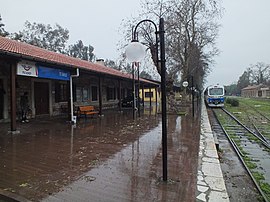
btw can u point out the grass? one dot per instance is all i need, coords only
(260, 105)
(249, 162)
(266, 189)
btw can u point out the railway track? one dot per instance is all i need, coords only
(252, 148)
(259, 122)
(258, 135)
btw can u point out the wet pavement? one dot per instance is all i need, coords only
(109, 158)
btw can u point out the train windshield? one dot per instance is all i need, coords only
(216, 91)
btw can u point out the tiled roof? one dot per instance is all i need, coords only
(253, 87)
(8, 46)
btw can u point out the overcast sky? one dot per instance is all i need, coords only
(244, 36)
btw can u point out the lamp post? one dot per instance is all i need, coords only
(192, 84)
(133, 90)
(135, 52)
(138, 93)
(185, 84)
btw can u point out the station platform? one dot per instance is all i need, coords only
(112, 158)
(210, 181)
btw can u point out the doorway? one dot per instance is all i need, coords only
(41, 90)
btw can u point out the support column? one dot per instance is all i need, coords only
(120, 95)
(13, 125)
(143, 95)
(156, 94)
(100, 94)
(150, 98)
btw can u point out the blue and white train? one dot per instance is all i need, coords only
(215, 96)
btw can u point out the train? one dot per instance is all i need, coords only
(214, 96)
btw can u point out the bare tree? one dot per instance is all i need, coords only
(191, 32)
(260, 73)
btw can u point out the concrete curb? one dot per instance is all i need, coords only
(210, 181)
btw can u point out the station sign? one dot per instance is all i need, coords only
(52, 73)
(25, 68)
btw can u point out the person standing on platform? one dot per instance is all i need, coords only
(24, 107)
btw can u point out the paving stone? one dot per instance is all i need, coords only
(211, 153)
(201, 183)
(215, 196)
(202, 188)
(210, 160)
(211, 169)
(210, 144)
(208, 135)
(215, 183)
(200, 177)
(202, 197)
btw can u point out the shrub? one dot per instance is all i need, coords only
(228, 100)
(234, 103)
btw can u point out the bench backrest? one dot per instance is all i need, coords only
(86, 108)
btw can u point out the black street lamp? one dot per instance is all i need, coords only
(135, 52)
(138, 92)
(133, 90)
(192, 88)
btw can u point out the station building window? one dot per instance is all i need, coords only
(78, 94)
(82, 94)
(61, 92)
(148, 94)
(94, 91)
(111, 93)
(85, 94)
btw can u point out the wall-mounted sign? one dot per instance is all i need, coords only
(51, 73)
(26, 68)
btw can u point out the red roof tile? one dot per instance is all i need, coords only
(253, 87)
(40, 54)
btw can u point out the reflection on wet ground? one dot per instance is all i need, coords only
(112, 158)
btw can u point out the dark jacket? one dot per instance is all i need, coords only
(24, 102)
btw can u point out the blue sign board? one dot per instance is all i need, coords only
(51, 73)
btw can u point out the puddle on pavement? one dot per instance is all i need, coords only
(109, 158)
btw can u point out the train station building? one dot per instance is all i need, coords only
(51, 79)
(255, 91)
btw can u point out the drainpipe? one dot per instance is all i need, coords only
(73, 118)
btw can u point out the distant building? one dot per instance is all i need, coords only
(256, 91)
(150, 95)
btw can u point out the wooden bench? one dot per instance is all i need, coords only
(86, 110)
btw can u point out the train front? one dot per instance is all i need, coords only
(215, 96)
